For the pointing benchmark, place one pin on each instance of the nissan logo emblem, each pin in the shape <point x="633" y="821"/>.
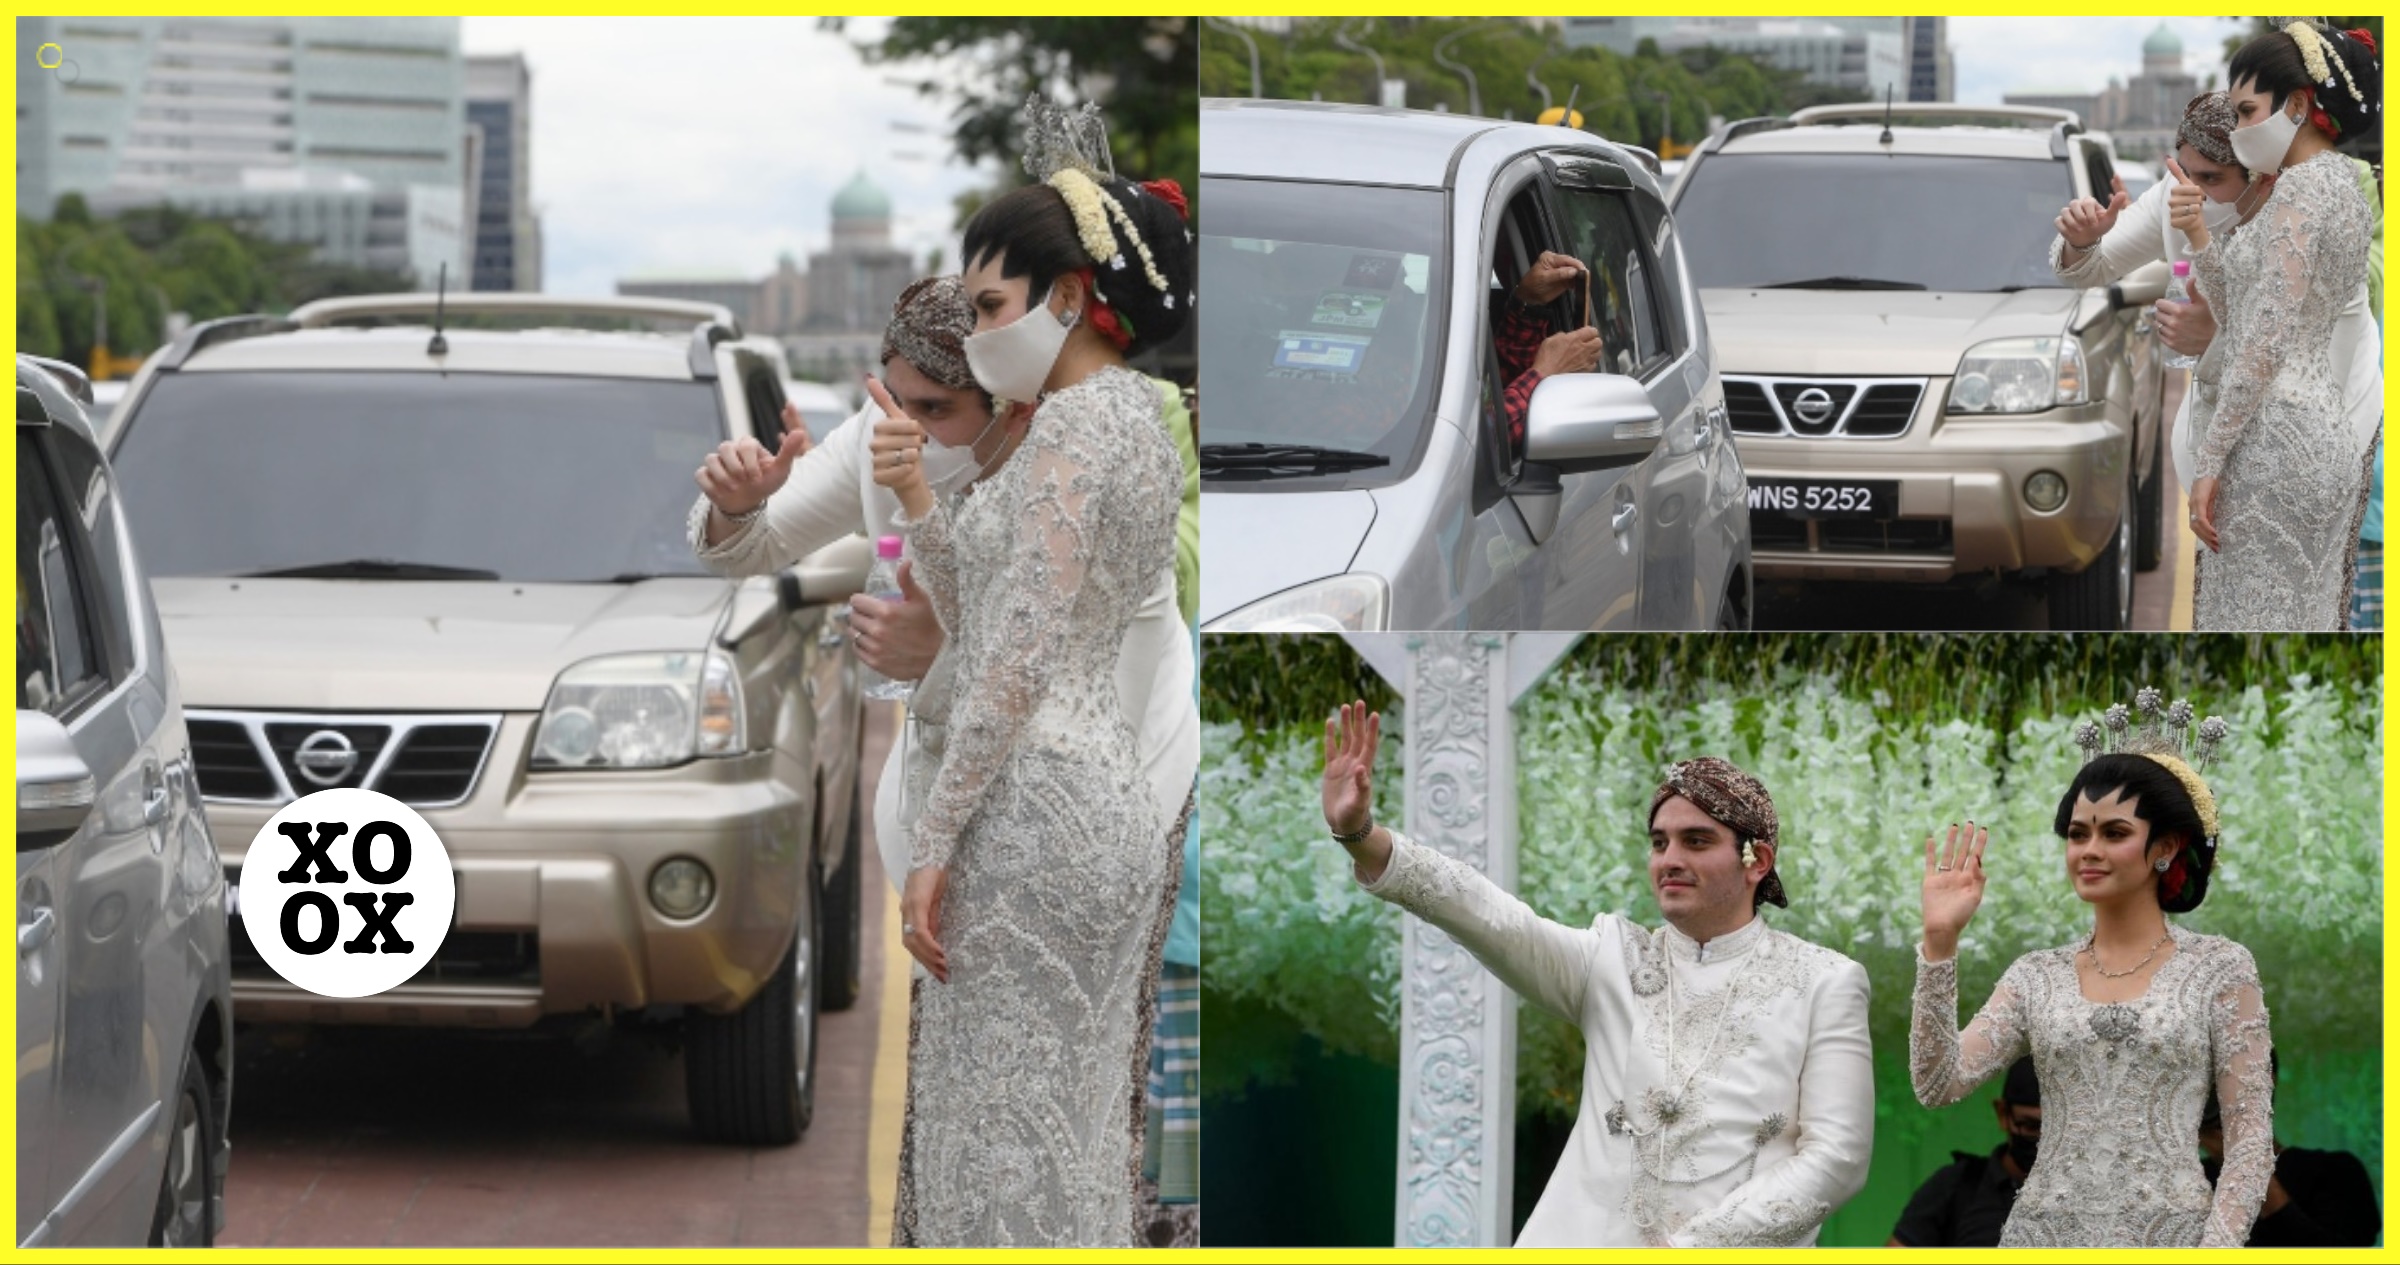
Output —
<point x="325" y="757"/>
<point x="1813" y="406"/>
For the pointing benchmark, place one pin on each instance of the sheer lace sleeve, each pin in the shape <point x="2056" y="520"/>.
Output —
<point x="1539" y="960"/>
<point x="2272" y="325"/>
<point x="2239" y="1050"/>
<point x="1944" y="1064"/>
<point x="1007" y="668"/>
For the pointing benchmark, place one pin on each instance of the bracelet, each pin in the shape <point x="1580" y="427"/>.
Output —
<point x="1360" y="837"/>
<point x="743" y="519"/>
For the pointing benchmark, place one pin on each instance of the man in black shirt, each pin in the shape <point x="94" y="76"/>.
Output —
<point x="1965" y="1202"/>
<point x="2316" y="1198"/>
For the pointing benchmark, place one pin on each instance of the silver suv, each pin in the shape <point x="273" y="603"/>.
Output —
<point x="1361" y="464"/>
<point x="1917" y="397"/>
<point x="436" y="548"/>
<point x="124" y="1002"/>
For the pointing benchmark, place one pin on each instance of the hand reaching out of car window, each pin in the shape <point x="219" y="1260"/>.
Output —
<point x="1575" y="351"/>
<point x="1549" y="278"/>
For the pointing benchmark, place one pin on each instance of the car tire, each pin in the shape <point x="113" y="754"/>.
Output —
<point x="838" y="970"/>
<point x="750" y="1077"/>
<point x="2097" y="598"/>
<point x="2149" y="524"/>
<point x="187" y="1190"/>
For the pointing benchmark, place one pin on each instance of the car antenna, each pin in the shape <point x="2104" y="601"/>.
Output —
<point x="1886" y="138"/>
<point x="1566" y="117"/>
<point x="440" y="346"/>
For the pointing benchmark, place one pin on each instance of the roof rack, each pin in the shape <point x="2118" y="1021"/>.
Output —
<point x="1735" y="131"/>
<point x="1937" y="114"/>
<point x="74" y="381"/>
<point x="224" y="329"/>
<point x="325" y="312"/>
<point x="705" y="337"/>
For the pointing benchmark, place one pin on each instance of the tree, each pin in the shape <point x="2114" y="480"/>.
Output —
<point x="1142" y="72"/>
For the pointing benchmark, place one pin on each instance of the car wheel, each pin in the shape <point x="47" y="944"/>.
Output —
<point x="2150" y="509"/>
<point x="2098" y="598"/>
<point x="750" y="1078"/>
<point x="182" y="1218"/>
<point x="838" y="972"/>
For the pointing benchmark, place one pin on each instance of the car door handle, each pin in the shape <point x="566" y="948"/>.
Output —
<point x="35" y="934"/>
<point x="1622" y="520"/>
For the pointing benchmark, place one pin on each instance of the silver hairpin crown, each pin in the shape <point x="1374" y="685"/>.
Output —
<point x="2151" y="729"/>
<point x="1062" y="137"/>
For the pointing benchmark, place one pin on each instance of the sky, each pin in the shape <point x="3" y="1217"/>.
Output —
<point x="1995" y="56"/>
<point x="712" y="145"/>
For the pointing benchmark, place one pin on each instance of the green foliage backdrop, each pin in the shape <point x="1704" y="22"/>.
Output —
<point x="1867" y="742"/>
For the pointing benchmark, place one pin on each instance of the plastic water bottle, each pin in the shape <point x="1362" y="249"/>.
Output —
<point x="883" y="581"/>
<point x="2180" y="290"/>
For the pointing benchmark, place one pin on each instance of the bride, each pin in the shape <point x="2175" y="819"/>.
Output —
<point x="1036" y="874"/>
<point x="2130" y="1030"/>
<point x="2277" y="491"/>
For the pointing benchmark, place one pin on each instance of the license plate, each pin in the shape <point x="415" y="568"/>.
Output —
<point x="1830" y="498"/>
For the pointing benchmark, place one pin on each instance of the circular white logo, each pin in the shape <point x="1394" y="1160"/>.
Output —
<point x="346" y="892"/>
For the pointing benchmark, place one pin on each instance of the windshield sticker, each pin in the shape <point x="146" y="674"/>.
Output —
<point x="1372" y="272"/>
<point x="1346" y="309"/>
<point x="1327" y="353"/>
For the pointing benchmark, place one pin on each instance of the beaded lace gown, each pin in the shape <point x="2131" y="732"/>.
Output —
<point x="2124" y="1086"/>
<point x="2267" y="415"/>
<point x="1018" y="1073"/>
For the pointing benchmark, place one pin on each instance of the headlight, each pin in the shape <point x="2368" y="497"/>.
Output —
<point x="641" y="711"/>
<point x="1345" y="603"/>
<point x="2020" y="375"/>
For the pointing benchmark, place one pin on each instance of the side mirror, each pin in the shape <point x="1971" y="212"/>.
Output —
<point x="1578" y="423"/>
<point x="2141" y="287"/>
<point x="55" y="789"/>
<point x="831" y="574"/>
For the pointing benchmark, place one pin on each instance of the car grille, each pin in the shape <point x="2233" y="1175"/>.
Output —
<point x="1822" y="408"/>
<point x="1785" y="534"/>
<point x="260" y="757"/>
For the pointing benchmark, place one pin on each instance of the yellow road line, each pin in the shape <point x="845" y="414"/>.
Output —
<point x="890" y="1091"/>
<point x="2179" y="609"/>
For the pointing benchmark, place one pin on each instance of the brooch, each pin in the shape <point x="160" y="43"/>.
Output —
<point x="2116" y="1022"/>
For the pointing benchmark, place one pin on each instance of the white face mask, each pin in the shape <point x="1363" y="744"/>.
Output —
<point x="949" y="470"/>
<point x="2219" y="217"/>
<point x="1014" y="361"/>
<point x="2262" y="145"/>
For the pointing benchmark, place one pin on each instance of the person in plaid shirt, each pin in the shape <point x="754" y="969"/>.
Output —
<point x="1521" y="336"/>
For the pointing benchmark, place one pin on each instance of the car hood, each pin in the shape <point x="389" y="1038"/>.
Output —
<point x="1261" y="543"/>
<point x="377" y="645"/>
<point x="1870" y="332"/>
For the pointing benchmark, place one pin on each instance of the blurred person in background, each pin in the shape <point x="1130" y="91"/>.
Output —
<point x="1966" y="1201"/>
<point x="2316" y="1198"/>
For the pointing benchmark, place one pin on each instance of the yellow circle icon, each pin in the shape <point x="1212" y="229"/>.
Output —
<point x="1552" y="115"/>
<point x="57" y="55"/>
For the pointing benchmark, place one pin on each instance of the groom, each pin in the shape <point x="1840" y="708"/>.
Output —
<point x="1728" y="1090"/>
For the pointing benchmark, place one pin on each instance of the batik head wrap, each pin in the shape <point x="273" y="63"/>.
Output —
<point x="929" y="329"/>
<point x="1733" y="799"/>
<point x="2207" y="127"/>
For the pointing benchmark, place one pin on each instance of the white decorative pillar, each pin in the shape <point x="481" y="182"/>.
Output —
<point x="1458" y="1025"/>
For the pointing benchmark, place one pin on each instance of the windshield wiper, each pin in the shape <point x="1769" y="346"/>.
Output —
<point x="372" y="569"/>
<point x="1269" y="461"/>
<point x="1843" y="283"/>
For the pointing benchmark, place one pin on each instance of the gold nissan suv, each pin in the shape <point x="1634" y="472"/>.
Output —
<point x="434" y="546"/>
<point x="1916" y="397"/>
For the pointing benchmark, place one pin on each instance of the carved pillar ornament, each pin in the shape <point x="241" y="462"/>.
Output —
<point x="1458" y="1031"/>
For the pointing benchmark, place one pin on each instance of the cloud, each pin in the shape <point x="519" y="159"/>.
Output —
<point x="1996" y="56"/>
<point x="712" y="145"/>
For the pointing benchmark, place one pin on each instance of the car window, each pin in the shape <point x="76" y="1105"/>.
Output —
<point x="762" y="392"/>
<point x="1944" y="222"/>
<point x="528" y="477"/>
<point x="90" y="490"/>
<point x="1324" y="324"/>
<point x="1599" y="229"/>
<point x="58" y="663"/>
<point x="2098" y="169"/>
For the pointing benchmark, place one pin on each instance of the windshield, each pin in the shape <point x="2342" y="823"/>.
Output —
<point x="1322" y="324"/>
<point x="1944" y="223"/>
<point x="534" y="478"/>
